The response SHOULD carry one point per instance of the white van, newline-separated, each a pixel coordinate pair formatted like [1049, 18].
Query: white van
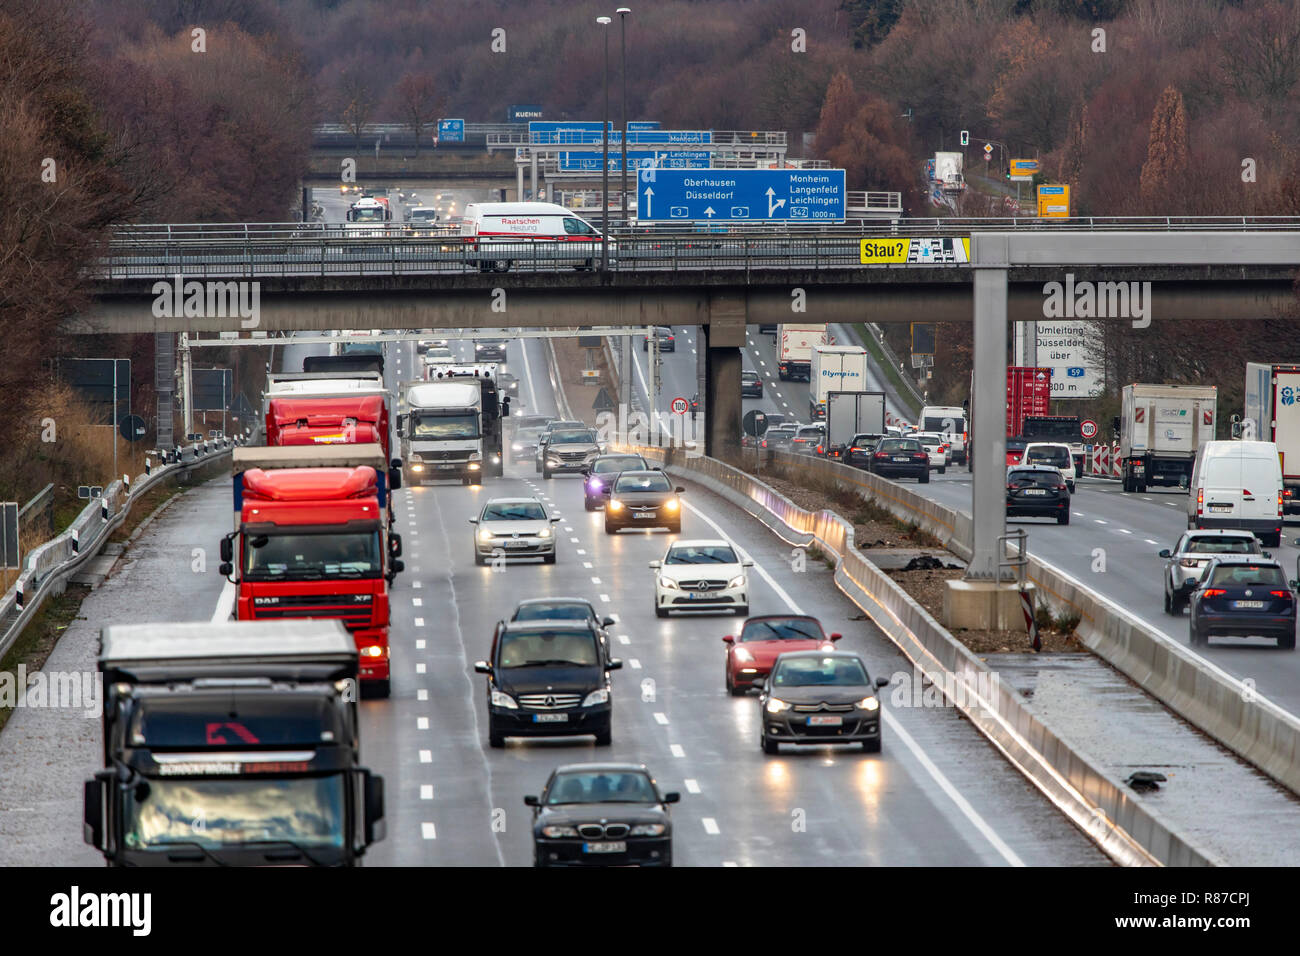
[949, 420]
[503, 232]
[1237, 484]
[1056, 454]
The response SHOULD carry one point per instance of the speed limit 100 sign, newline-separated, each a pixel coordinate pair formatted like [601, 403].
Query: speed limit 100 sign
[679, 406]
[1088, 429]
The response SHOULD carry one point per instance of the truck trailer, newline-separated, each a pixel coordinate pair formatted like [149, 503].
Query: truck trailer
[311, 539]
[794, 344]
[1273, 414]
[835, 368]
[849, 414]
[231, 744]
[1160, 429]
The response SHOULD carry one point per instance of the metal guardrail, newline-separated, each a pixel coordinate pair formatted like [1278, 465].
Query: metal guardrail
[61, 556]
[1131, 833]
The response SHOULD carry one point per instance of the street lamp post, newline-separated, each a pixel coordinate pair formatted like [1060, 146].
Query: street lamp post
[604, 168]
[622, 69]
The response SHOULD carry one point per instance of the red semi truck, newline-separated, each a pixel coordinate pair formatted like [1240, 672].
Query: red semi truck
[311, 540]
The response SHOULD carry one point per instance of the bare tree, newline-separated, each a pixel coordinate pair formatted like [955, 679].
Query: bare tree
[356, 102]
[416, 97]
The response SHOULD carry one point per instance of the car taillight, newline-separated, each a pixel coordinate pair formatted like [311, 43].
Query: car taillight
[854, 448]
[943, 447]
[1284, 595]
[1213, 592]
[1062, 487]
[819, 449]
[881, 454]
[1200, 501]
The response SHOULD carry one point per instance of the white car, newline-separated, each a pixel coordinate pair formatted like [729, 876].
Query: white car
[701, 574]
[1056, 454]
[515, 527]
[937, 447]
[439, 355]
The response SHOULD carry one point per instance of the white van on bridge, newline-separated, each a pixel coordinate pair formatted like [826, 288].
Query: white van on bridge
[503, 232]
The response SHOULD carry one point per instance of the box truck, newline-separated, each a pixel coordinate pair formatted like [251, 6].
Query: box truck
[835, 368]
[1273, 414]
[1160, 429]
[794, 350]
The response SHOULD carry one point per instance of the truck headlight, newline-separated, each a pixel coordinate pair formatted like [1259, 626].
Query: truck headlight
[475, 456]
[596, 697]
[474, 466]
[502, 699]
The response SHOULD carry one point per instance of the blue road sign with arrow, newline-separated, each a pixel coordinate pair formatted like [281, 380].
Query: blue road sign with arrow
[740, 195]
[451, 130]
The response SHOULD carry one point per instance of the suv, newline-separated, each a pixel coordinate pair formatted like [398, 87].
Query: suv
[751, 385]
[1186, 562]
[809, 440]
[568, 449]
[778, 437]
[860, 449]
[1037, 491]
[540, 455]
[548, 679]
[1242, 595]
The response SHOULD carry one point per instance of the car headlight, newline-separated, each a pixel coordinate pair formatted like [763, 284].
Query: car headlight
[670, 504]
[515, 446]
[484, 534]
[595, 484]
[544, 533]
[648, 829]
[502, 699]
[596, 697]
[775, 706]
[737, 582]
[553, 832]
[669, 583]
[868, 703]
[615, 505]
[743, 655]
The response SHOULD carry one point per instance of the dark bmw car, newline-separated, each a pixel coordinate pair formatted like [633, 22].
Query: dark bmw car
[602, 814]
[901, 458]
[600, 474]
[861, 449]
[1243, 596]
[751, 385]
[1037, 491]
[819, 697]
[643, 499]
[548, 679]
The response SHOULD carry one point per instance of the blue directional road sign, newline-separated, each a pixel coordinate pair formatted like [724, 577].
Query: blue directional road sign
[636, 159]
[551, 132]
[740, 195]
[451, 131]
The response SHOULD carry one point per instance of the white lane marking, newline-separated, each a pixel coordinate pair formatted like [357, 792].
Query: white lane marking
[567, 528]
[677, 751]
[414, 532]
[661, 718]
[595, 580]
[574, 540]
[417, 584]
[416, 602]
[426, 756]
[1099, 521]
[579, 550]
[419, 622]
[634, 663]
[587, 565]
[421, 694]
[421, 723]
[225, 602]
[421, 668]
[692, 786]
[1123, 530]
[1172, 504]
[419, 645]
[428, 831]
[426, 791]
[605, 598]
[1148, 499]
[1150, 541]
[944, 783]
[762, 571]
[624, 639]
[710, 826]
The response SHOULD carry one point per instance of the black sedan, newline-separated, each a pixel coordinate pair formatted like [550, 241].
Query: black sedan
[598, 477]
[751, 385]
[819, 697]
[860, 450]
[602, 814]
[901, 458]
[643, 499]
[1037, 491]
[1243, 596]
[667, 341]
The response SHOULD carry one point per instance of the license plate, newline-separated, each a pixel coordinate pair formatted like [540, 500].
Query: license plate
[1034, 491]
[699, 597]
[447, 467]
[550, 718]
[643, 514]
[896, 458]
[611, 846]
[1248, 604]
[825, 721]
[1220, 507]
[516, 544]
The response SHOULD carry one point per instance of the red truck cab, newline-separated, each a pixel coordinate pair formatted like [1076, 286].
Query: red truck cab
[312, 540]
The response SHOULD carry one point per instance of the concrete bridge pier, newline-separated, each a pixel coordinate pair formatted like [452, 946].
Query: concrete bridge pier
[722, 339]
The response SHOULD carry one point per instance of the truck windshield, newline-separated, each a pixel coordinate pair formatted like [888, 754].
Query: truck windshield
[297, 556]
[1047, 430]
[372, 214]
[212, 812]
[445, 427]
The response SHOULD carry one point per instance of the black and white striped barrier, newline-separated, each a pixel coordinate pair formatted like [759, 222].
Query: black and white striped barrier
[76, 541]
[103, 509]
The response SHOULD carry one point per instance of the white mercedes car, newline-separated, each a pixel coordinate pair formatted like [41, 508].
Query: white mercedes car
[701, 575]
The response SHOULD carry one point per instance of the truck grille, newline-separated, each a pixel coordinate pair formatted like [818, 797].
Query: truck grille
[354, 610]
[443, 455]
[550, 701]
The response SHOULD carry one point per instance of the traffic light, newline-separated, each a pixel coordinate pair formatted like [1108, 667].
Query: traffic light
[965, 137]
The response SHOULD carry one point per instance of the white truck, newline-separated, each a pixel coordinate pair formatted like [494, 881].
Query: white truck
[1160, 429]
[1273, 414]
[948, 420]
[947, 172]
[794, 344]
[849, 414]
[835, 368]
[440, 426]
[367, 215]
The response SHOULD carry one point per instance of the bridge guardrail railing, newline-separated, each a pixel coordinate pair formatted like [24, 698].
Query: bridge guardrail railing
[59, 557]
[1128, 831]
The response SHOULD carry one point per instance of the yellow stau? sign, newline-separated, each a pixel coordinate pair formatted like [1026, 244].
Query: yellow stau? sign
[927, 251]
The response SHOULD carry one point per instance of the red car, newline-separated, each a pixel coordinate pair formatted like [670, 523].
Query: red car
[750, 656]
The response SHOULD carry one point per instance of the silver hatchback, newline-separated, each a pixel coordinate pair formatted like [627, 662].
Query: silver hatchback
[514, 528]
[1187, 560]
